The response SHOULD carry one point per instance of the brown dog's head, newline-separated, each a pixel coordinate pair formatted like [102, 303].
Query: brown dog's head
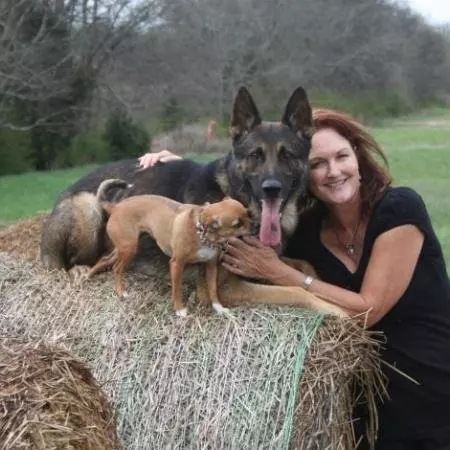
[225, 219]
[269, 162]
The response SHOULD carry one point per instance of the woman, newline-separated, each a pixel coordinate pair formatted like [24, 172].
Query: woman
[374, 249]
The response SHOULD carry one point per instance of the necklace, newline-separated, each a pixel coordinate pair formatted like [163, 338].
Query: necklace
[349, 247]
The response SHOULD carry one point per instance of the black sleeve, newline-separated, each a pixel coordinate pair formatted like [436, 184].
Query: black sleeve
[403, 206]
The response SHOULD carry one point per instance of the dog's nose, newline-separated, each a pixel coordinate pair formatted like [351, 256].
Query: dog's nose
[271, 188]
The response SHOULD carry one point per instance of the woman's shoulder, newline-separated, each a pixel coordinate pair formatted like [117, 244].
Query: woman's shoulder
[400, 199]
[401, 194]
[400, 205]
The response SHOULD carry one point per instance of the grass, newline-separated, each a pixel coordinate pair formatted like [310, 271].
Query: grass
[418, 149]
[24, 195]
[417, 146]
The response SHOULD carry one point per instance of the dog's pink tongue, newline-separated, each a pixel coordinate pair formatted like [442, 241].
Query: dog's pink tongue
[270, 231]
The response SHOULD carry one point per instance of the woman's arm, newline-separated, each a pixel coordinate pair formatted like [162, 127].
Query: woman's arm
[150, 159]
[390, 270]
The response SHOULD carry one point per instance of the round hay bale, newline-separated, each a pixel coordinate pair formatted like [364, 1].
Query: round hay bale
[260, 377]
[49, 400]
[22, 239]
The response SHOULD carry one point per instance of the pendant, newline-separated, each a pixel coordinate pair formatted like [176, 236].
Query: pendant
[350, 249]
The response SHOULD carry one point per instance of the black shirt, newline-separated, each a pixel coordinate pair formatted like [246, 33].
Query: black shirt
[417, 328]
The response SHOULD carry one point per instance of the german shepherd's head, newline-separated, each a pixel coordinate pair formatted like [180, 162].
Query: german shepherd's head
[269, 161]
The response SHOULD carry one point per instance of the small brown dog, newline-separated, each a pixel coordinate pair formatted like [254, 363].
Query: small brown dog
[187, 233]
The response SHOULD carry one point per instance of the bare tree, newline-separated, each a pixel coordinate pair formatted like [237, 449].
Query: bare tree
[52, 52]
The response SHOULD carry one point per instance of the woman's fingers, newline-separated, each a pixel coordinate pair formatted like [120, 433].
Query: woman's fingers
[145, 160]
[170, 157]
[253, 241]
[232, 267]
[228, 259]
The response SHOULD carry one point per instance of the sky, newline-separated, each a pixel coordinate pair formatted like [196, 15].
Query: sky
[435, 11]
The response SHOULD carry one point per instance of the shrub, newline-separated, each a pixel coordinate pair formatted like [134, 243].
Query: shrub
[85, 149]
[15, 152]
[124, 138]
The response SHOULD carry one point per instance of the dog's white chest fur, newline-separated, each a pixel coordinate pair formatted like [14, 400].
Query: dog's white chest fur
[206, 253]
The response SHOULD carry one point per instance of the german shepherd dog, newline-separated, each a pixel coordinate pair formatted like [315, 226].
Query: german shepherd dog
[266, 170]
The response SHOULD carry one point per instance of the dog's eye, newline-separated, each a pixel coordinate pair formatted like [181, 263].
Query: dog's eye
[237, 223]
[285, 154]
[257, 155]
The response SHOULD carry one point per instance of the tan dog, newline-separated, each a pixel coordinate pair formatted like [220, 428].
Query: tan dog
[187, 233]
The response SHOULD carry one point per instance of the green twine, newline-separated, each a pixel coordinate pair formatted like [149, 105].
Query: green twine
[308, 336]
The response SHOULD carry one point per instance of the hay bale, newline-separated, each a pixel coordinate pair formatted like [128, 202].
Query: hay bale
[49, 400]
[22, 239]
[262, 378]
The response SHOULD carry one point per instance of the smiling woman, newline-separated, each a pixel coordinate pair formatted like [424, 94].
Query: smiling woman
[376, 253]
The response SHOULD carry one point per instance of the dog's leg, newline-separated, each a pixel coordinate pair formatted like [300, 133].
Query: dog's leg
[234, 291]
[201, 291]
[77, 274]
[176, 275]
[103, 263]
[302, 265]
[124, 257]
[211, 281]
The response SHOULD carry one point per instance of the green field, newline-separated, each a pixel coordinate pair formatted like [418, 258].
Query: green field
[418, 148]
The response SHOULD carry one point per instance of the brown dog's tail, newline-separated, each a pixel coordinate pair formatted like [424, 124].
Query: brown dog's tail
[112, 189]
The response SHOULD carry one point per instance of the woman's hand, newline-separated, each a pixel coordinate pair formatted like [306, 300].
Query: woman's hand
[249, 258]
[150, 159]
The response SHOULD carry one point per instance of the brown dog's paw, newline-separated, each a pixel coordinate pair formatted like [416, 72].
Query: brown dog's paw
[181, 312]
[78, 274]
[219, 309]
[124, 295]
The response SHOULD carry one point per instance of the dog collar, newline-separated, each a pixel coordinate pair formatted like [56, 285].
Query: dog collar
[201, 231]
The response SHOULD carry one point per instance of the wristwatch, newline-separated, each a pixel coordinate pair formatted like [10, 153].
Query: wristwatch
[307, 282]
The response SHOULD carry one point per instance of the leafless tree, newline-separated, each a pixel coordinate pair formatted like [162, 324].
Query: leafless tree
[53, 50]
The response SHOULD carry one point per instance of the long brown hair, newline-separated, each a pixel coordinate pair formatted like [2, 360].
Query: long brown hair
[375, 176]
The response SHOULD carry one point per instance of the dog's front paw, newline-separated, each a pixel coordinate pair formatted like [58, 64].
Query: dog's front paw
[78, 274]
[219, 309]
[181, 312]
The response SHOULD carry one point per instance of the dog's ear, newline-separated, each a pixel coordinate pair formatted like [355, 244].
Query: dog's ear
[214, 224]
[245, 114]
[298, 115]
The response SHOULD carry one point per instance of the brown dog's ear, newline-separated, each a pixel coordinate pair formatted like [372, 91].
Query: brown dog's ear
[214, 224]
[297, 114]
[245, 114]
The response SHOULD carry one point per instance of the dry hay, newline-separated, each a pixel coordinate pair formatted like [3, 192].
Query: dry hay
[22, 239]
[206, 382]
[49, 400]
